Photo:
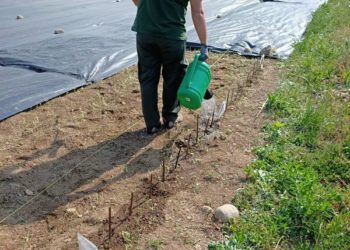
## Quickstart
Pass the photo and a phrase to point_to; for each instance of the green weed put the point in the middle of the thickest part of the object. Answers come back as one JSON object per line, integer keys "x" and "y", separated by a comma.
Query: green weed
{"x": 298, "y": 195}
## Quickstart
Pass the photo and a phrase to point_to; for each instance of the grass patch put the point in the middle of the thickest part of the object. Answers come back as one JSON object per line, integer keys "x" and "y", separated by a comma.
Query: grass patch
{"x": 298, "y": 191}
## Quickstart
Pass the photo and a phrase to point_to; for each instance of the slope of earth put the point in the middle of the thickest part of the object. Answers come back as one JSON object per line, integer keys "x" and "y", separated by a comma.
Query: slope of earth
{"x": 66, "y": 163}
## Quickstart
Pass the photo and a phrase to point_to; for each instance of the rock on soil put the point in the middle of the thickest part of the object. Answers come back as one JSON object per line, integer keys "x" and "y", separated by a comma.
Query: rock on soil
{"x": 207, "y": 209}
{"x": 226, "y": 212}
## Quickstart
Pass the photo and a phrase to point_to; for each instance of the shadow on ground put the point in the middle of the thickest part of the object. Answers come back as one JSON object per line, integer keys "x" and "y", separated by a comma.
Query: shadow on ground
{"x": 79, "y": 168}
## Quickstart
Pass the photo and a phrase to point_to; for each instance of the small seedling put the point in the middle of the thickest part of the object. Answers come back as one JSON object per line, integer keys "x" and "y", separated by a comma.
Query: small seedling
{"x": 126, "y": 237}
{"x": 197, "y": 188}
{"x": 156, "y": 244}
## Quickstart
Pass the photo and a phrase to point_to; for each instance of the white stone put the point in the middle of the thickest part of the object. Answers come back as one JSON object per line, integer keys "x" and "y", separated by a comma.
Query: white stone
{"x": 226, "y": 212}
{"x": 29, "y": 192}
{"x": 19, "y": 17}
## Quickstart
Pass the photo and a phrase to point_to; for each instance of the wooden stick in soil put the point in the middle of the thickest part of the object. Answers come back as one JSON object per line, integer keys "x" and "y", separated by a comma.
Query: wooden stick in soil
{"x": 212, "y": 119}
{"x": 207, "y": 124}
{"x": 262, "y": 108}
{"x": 197, "y": 131}
{"x": 227, "y": 99}
{"x": 163, "y": 171}
{"x": 109, "y": 224}
{"x": 131, "y": 203}
{"x": 177, "y": 158}
{"x": 151, "y": 186}
{"x": 188, "y": 144}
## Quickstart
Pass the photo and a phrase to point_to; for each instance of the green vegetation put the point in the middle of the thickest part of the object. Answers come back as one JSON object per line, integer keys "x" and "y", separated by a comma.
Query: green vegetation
{"x": 156, "y": 244}
{"x": 298, "y": 196}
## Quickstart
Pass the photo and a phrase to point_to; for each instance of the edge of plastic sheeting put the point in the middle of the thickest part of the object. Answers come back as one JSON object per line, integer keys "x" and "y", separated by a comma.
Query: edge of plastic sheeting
{"x": 85, "y": 244}
{"x": 234, "y": 49}
{"x": 18, "y": 94}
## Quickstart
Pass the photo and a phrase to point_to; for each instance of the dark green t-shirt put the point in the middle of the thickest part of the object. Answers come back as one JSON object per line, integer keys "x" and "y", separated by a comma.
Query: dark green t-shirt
{"x": 163, "y": 18}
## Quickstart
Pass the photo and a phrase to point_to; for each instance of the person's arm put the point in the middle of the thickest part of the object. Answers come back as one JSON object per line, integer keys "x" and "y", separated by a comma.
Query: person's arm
{"x": 198, "y": 18}
{"x": 136, "y": 2}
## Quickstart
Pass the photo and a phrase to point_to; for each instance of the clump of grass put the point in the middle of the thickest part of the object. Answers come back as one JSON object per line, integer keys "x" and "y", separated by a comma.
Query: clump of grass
{"x": 298, "y": 195}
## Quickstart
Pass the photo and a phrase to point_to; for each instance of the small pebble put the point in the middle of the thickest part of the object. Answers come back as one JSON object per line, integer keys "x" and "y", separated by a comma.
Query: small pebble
{"x": 29, "y": 192}
{"x": 222, "y": 137}
{"x": 58, "y": 31}
{"x": 207, "y": 209}
{"x": 19, "y": 17}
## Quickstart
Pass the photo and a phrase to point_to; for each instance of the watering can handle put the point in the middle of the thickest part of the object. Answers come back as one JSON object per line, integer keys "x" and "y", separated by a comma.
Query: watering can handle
{"x": 193, "y": 67}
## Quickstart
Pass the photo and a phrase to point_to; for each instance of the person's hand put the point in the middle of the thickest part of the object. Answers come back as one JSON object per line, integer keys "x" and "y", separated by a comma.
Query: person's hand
{"x": 204, "y": 53}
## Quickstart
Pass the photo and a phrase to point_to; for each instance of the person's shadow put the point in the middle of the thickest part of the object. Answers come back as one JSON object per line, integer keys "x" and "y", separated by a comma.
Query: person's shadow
{"x": 64, "y": 175}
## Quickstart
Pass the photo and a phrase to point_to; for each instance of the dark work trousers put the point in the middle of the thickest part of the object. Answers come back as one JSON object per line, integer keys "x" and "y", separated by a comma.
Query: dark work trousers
{"x": 155, "y": 56}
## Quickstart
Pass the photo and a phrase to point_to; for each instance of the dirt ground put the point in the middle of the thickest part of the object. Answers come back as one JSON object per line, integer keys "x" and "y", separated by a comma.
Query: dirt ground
{"x": 66, "y": 163}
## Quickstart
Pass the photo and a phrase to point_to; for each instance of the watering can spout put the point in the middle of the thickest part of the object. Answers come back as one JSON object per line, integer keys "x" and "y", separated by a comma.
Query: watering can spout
{"x": 195, "y": 84}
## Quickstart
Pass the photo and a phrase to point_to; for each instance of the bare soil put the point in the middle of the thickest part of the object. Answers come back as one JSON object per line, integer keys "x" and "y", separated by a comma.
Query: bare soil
{"x": 65, "y": 163}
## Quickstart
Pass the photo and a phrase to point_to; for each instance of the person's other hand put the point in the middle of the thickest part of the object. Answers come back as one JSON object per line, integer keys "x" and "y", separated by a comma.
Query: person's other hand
{"x": 204, "y": 53}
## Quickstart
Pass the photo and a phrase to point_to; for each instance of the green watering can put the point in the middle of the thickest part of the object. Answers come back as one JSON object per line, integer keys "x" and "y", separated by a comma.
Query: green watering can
{"x": 194, "y": 84}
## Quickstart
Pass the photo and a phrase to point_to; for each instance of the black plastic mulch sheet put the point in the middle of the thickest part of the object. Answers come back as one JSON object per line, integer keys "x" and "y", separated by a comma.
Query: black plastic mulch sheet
{"x": 37, "y": 65}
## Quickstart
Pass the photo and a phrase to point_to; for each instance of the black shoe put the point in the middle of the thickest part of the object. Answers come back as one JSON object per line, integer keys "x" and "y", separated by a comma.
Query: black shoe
{"x": 153, "y": 130}
{"x": 169, "y": 124}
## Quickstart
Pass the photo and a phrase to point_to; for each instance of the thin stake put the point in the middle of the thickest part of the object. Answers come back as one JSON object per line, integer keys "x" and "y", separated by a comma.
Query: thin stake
{"x": 262, "y": 108}
{"x": 197, "y": 131}
{"x": 188, "y": 144}
{"x": 109, "y": 223}
{"x": 131, "y": 203}
{"x": 163, "y": 171}
{"x": 177, "y": 158}
{"x": 232, "y": 98}
{"x": 228, "y": 98}
{"x": 262, "y": 59}
{"x": 207, "y": 124}
{"x": 212, "y": 119}
{"x": 151, "y": 186}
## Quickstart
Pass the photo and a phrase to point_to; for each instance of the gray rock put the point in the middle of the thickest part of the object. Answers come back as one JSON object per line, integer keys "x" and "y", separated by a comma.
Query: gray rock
{"x": 19, "y": 17}
{"x": 226, "y": 212}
